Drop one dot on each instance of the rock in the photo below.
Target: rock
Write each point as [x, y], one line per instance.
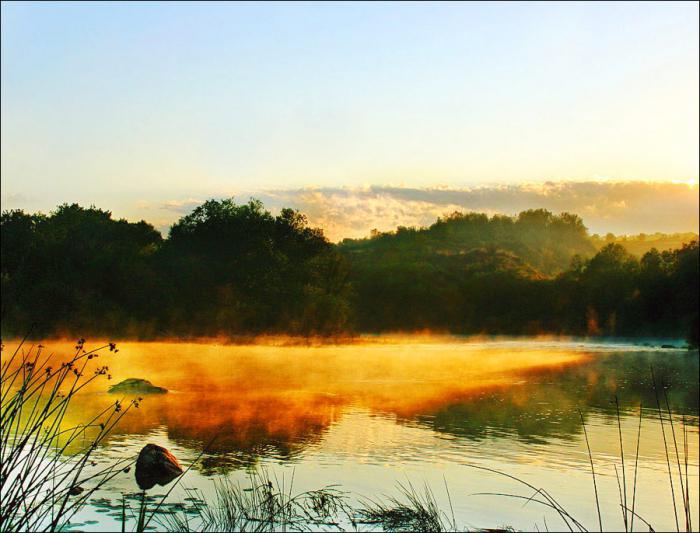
[75, 490]
[136, 386]
[156, 466]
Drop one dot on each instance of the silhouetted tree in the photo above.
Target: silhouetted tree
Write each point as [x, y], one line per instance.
[238, 269]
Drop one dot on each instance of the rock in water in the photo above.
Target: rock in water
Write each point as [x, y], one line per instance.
[156, 466]
[136, 386]
[75, 490]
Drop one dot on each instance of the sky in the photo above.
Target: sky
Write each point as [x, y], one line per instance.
[354, 111]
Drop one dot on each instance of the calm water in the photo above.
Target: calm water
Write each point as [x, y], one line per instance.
[368, 415]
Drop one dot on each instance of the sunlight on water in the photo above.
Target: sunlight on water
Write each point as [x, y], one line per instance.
[368, 414]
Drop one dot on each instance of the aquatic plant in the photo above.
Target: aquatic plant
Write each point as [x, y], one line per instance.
[416, 511]
[629, 514]
[44, 479]
[265, 504]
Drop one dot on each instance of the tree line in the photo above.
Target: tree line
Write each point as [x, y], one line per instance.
[237, 269]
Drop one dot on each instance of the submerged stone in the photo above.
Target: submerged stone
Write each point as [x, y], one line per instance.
[75, 490]
[136, 386]
[156, 466]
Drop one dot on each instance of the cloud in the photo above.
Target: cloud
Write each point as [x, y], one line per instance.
[181, 207]
[354, 213]
[13, 200]
[606, 206]
[619, 207]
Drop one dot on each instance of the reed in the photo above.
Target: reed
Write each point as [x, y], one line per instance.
[663, 433]
[682, 483]
[636, 464]
[623, 491]
[45, 480]
[264, 504]
[541, 496]
[413, 510]
[590, 459]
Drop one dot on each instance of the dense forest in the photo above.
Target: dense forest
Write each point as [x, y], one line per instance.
[237, 269]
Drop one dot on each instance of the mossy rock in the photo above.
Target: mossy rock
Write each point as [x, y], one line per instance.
[136, 386]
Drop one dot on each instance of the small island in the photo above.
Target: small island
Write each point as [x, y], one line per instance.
[136, 386]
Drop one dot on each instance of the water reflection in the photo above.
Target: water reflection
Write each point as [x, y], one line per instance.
[267, 401]
[238, 430]
[546, 403]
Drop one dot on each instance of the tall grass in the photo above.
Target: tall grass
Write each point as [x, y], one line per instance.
[685, 497]
[541, 496]
[44, 479]
[413, 510]
[590, 458]
[268, 504]
[264, 504]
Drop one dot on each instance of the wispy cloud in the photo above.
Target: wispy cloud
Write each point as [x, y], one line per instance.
[605, 206]
[13, 200]
[620, 207]
[180, 206]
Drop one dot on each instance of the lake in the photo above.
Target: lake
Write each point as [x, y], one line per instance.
[424, 410]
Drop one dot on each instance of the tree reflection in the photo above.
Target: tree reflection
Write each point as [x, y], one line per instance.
[546, 404]
[263, 402]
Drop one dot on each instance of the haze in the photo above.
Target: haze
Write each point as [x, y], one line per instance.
[145, 108]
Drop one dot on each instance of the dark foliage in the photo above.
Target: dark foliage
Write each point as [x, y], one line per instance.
[534, 273]
[236, 269]
[225, 269]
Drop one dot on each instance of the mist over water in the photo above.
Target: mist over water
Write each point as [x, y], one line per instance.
[383, 410]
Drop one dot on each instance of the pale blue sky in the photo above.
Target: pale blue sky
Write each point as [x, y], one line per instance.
[122, 104]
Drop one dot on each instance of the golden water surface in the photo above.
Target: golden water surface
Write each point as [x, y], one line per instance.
[378, 410]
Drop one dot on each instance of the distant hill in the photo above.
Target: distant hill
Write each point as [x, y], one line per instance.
[534, 272]
[536, 239]
[640, 244]
[466, 272]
